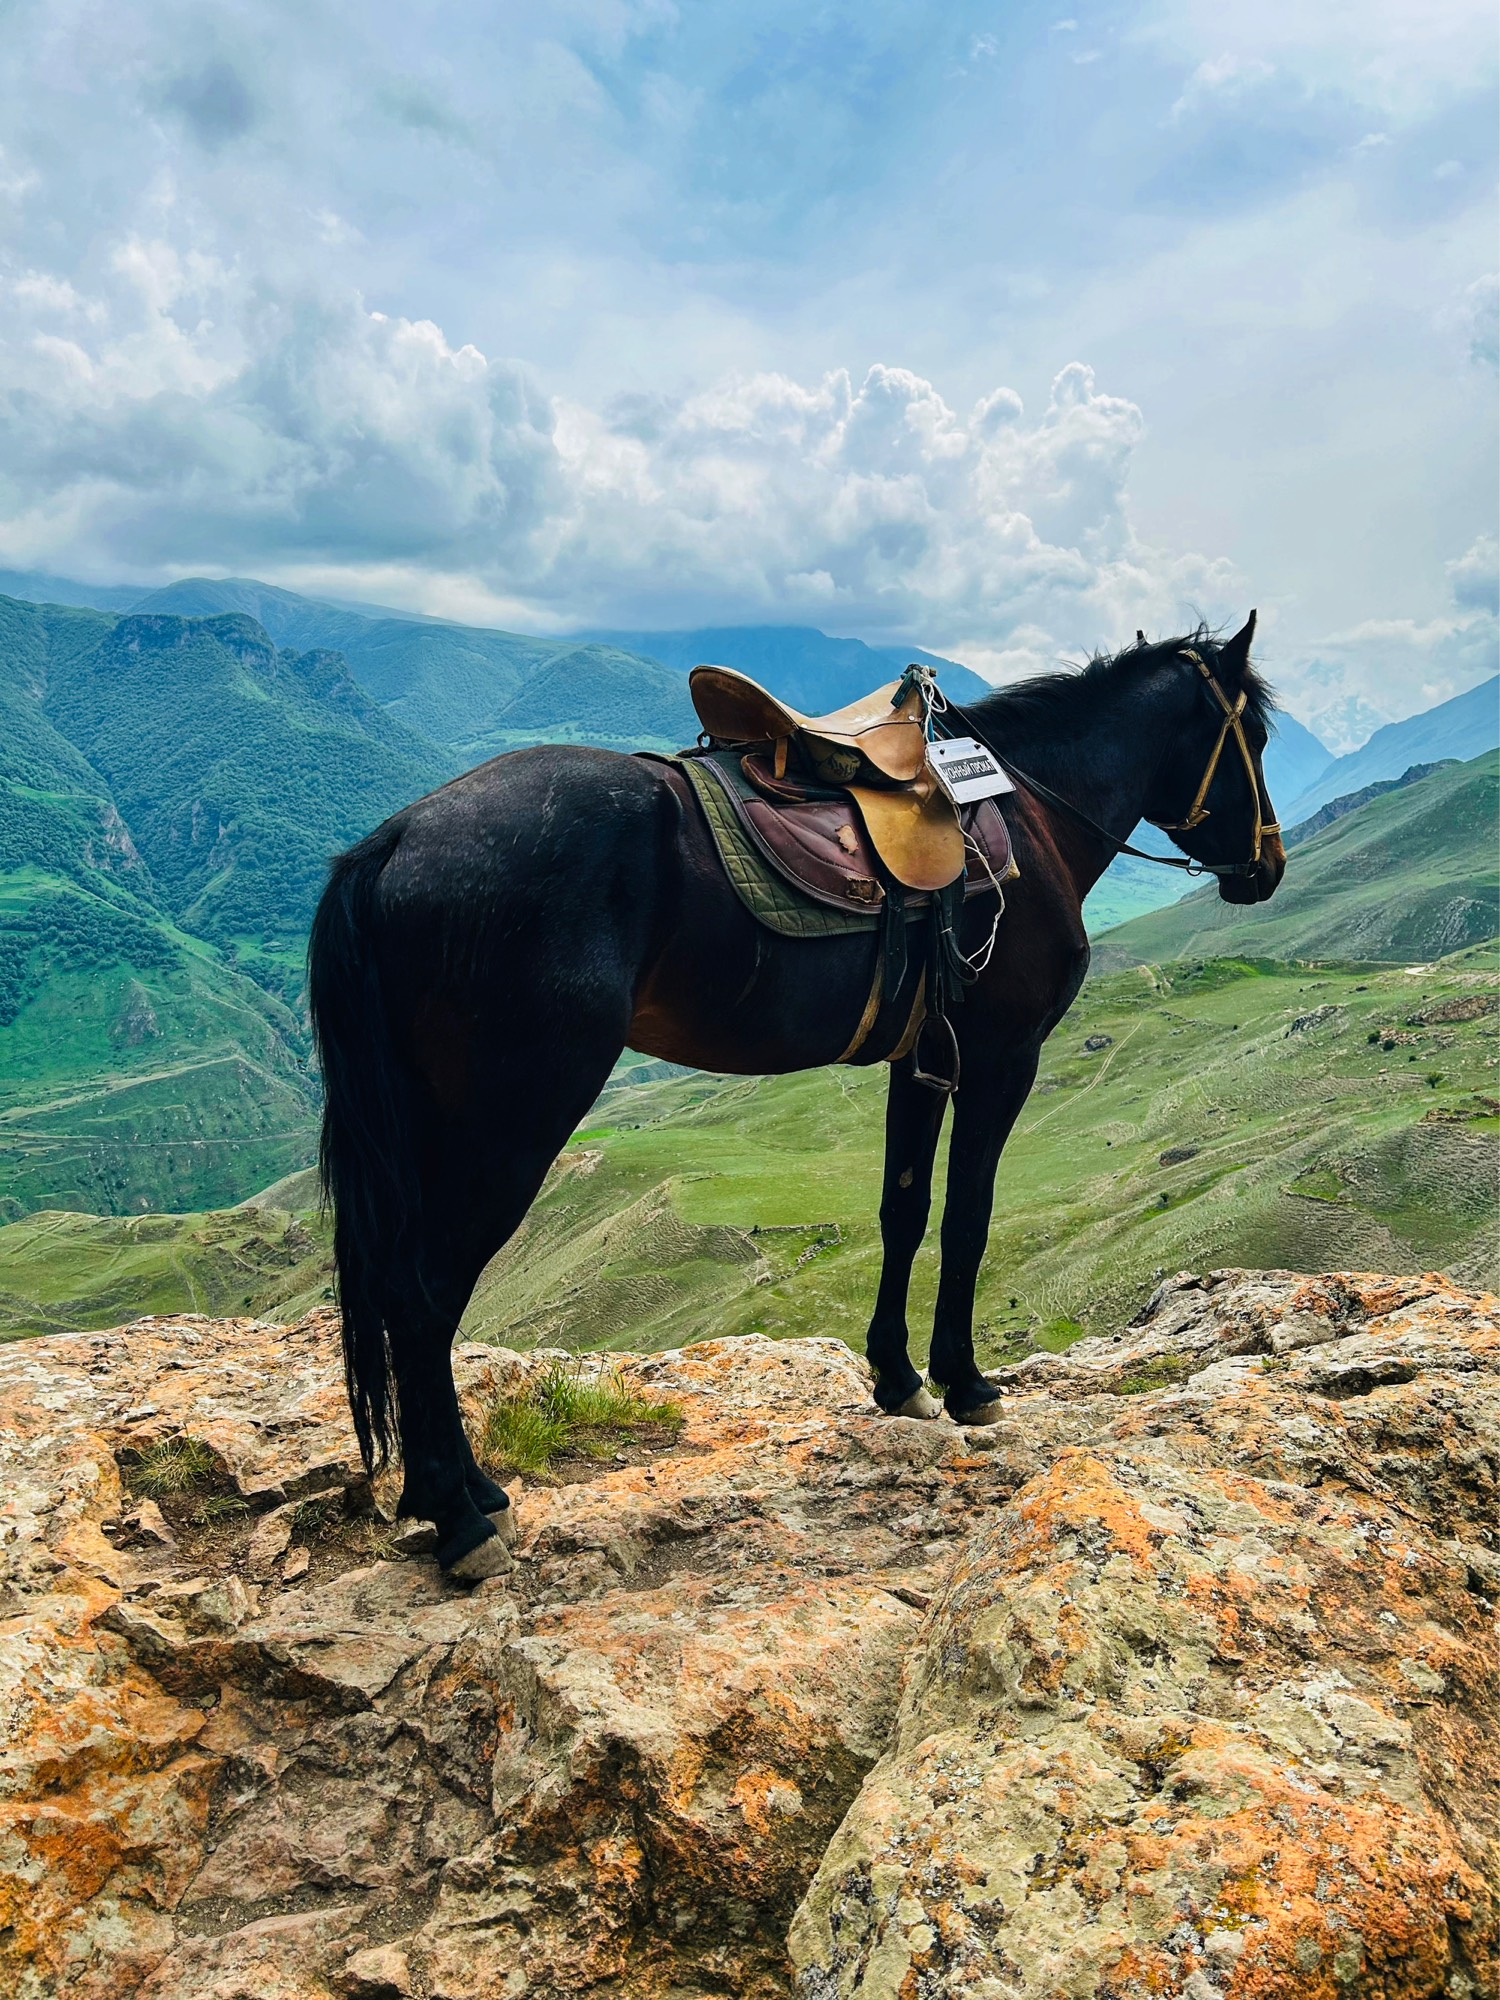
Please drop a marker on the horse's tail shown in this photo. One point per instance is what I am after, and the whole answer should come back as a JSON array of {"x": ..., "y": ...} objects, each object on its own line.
[{"x": 367, "y": 1152}]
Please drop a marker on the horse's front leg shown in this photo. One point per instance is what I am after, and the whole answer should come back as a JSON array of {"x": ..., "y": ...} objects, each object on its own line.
[
  {"x": 985, "y": 1108},
  {"x": 913, "y": 1119}
]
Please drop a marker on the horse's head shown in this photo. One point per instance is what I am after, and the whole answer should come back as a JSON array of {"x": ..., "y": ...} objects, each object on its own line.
[{"x": 1210, "y": 791}]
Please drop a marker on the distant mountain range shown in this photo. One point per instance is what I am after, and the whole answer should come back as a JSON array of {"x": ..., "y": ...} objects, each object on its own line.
[
  {"x": 1405, "y": 878},
  {"x": 1461, "y": 728}
]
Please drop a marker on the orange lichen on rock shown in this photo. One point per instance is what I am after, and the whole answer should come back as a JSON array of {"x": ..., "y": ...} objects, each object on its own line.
[
  {"x": 1210, "y": 1708},
  {"x": 1185, "y": 1692}
]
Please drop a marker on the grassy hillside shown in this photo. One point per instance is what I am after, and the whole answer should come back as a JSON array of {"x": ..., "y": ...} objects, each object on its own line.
[
  {"x": 136, "y": 1066},
  {"x": 1410, "y": 876},
  {"x": 238, "y": 769},
  {"x": 1236, "y": 1114},
  {"x": 1228, "y": 1112},
  {"x": 63, "y": 1272}
]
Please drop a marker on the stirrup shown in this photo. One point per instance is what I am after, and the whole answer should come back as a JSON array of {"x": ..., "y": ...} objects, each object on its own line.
[{"x": 935, "y": 1079}]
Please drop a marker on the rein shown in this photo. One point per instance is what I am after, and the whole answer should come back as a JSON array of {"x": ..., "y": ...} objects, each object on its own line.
[{"x": 1233, "y": 725}]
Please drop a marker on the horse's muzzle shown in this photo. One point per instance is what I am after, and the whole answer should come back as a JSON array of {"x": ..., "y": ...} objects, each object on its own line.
[{"x": 1263, "y": 884}]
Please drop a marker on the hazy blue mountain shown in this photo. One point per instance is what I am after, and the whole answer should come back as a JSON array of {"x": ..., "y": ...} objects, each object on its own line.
[
  {"x": 1294, "y": 758},
  {"x": 39, "y": 587},
  {"x": 1461, "y": 728},
  {"x": 803, "y": 666}
]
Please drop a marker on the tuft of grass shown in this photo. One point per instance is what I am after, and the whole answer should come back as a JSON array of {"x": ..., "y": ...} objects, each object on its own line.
[
  {"x": 174, "y": 1466},
  {"x": 1165, "y": 1371},
  {"x": 566, "y": 1410},
  {"x": 318, "y": 1516},
  {"x": 218, "y": 1507}
]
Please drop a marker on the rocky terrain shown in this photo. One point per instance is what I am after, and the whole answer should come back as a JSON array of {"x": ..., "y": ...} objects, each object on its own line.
[{"x": 1182, "y": 1679}]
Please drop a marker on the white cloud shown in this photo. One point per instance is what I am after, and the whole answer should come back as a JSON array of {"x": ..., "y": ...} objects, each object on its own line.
[
  {"x": 1220, "y": 76},
  {"x": 192, "y": 418},
  {"x": 1385, "y": 52},
  {"x": 1474, "y": 578}
]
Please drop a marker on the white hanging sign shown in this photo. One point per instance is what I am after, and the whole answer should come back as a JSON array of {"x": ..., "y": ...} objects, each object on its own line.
[{"x": 966, "y": 770}]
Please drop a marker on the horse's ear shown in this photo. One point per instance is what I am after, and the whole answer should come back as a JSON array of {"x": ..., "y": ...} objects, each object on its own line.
[
  {"x": 1140, "y": 637},
  {"x": 1234, "y": 654}
]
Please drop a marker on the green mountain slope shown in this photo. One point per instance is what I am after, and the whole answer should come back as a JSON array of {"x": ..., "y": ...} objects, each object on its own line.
[
  {"x": 1227, "y": 1114},
  {"x": 238, "y": 769},
  {"x": 1408, "y": 877},
  {"x": 1338, "y": 808},
  {"x": 471, "y": 690},
  {"x": 1197, "y": 1116},
  {"x": 63, "y": 1272},
  {"x": 136, "y": 1067}
]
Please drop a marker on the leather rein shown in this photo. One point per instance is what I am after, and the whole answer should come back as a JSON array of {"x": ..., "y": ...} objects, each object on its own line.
[{"x": 1233, "y": 725}]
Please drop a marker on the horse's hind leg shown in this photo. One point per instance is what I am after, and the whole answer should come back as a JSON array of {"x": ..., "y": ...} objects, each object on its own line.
[{"x": 489, "y": 1165}]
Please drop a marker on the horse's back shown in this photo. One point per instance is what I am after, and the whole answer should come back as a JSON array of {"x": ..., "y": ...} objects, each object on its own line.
[{"x": 567, "y": 847}]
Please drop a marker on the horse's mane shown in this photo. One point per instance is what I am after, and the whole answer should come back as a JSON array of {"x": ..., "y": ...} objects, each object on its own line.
[{"x": 1054, "y": 704}]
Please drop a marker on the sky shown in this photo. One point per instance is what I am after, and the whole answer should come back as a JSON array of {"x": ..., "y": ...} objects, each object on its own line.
[{"x": 992, "y": 328}]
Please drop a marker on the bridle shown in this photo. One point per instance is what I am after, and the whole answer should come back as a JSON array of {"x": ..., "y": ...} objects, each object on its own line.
[{"x": 1233, "y": 725}]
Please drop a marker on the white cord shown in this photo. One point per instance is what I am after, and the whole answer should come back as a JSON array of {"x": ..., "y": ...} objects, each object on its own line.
[{"x": 982, "y": 957}]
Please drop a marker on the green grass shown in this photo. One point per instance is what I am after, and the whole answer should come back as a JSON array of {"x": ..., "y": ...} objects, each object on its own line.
[
  {"x": 1163, "y": 1371},
  {"x": 687, "y": 1209},
  {"x": 688, "y": 1214},
  {"x": 61, "y": 1272},
  {"x": 173, "y": 1467},
  {"x": 569, "y": 1410}
]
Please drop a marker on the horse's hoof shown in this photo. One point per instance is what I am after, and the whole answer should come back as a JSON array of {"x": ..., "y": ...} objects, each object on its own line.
[
  {"x": 507, "y": 1527},
  {"x": 920, "y": 1404},
  {"x": 987, "y": 1413},
  {"x": 487, "y": 1558}
]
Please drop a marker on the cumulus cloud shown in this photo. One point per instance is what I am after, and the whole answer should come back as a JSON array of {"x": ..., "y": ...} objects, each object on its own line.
[
  {"x": 189, "y": 417},
  {"x": 185, "y": 417}
]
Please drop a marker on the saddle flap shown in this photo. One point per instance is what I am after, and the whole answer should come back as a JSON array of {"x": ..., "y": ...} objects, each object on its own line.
[
  {"x": 915, "y": 831},
  {"x": 892, "y": 741}
]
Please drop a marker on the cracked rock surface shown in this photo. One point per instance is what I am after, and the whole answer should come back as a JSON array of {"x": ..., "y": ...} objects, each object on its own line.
[{"x": 1181, "y": 1679}]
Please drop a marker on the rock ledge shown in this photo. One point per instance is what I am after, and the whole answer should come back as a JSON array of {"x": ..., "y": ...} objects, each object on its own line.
[{"x": 1182, "y": 1679}]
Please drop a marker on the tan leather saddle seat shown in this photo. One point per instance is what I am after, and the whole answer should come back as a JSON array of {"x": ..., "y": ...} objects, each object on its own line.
[{"x": 875, "y": 750}]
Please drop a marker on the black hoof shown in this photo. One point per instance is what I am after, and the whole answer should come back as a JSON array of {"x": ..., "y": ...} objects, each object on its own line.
[
  {"x": 962, "y": 1403},
  {"x": 486, "y": 1495},
  {"x": 463, "y": 1538},
  {"x": 892, "y": 1391}
]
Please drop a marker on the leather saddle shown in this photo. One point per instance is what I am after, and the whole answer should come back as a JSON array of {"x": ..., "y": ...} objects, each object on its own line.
[
  {"x": 871, "y": 755},
  {"x": 815, "y": 837}
]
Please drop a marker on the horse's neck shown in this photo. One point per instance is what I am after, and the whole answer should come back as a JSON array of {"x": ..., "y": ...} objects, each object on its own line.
[{"x": 1103, "y": 760}]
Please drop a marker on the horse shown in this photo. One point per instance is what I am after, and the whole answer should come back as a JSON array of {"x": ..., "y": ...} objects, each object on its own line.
[{"x": 478, "y": 963}]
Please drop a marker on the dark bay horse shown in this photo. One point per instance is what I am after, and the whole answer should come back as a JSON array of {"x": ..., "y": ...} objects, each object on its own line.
[{"x": 478, "y": 963}]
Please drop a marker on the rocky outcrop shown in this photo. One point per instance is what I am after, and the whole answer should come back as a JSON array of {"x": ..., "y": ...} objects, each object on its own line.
[{"x": 1181, "y": 1679}]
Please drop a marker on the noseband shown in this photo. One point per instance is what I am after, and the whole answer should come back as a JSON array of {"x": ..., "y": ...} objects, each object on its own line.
[{"x": 1233, "y": 725}]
